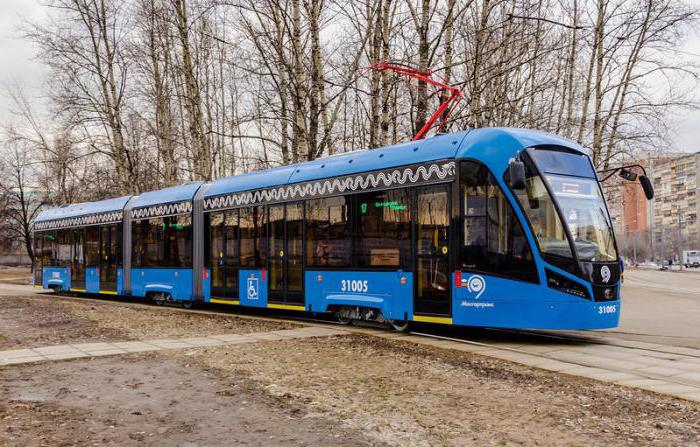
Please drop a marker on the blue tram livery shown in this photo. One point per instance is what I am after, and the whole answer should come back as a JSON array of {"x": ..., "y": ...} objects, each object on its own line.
[{"x": 488, "y": 227}]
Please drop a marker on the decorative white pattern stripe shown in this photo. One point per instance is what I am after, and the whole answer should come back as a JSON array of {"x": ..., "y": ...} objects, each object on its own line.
[
  {"x": 438, "y": 171},
  {"x": 168, "y": 209},
  {"x": 80, "y": 221}
]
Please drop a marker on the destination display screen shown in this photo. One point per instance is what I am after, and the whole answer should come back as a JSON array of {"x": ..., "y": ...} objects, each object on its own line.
[
  {"x": 563, "y": 163},
  {"x": 572, "y": 186}
]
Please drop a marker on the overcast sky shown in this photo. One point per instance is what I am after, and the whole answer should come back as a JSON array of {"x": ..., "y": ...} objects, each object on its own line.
[{"x": 18, "y": 64}]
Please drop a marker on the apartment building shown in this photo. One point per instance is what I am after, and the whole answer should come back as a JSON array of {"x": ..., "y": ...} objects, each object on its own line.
[
  {"x": 661, "y": 228},
  {"x": 676, "y": 206}
]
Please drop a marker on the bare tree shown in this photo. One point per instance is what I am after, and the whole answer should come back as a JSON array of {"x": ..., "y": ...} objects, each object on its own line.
[
  {"x": 149, "y": 93},
  {"x": 20, "y": 197}
]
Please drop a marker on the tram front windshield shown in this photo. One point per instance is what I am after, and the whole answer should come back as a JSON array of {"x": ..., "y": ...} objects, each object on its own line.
[{"x": 575, "y": 190}]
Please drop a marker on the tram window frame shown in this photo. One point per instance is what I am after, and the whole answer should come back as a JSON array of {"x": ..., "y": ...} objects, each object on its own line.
[
  {"x": 178, "y": 242},
  {"x": 48, "y": 250},
  {"x": 118, "y": 242},
  {"x": 342, "y": 230},
  {"x": 213, "y": 245},
  {"x": 63, "y": 248},
  {"x": 495, "y": 212},
  {"x": 565, "y": 262},
  {"x": 223, "y": 253},
  {"x": 162, "y": 242},
  {"x": 252, "y": 255},
  {"x": 37, "y": 243},
  {"x": 92, "y": 246},
  {"x": 232, "y": 221},
  {"x": 400, "y": 229},
  {"x": 110, "y": 248}
]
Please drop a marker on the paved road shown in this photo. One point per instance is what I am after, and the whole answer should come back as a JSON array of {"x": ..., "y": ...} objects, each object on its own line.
[{"x": 660, "y": 307}]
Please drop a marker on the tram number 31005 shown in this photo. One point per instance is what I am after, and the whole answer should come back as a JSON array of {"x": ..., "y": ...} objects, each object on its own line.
[
  {"x": 354, "y": 285},
  {"x": 609, "y": 309}
]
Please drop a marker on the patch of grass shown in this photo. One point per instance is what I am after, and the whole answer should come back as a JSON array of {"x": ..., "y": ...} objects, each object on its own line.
[{"x": 2, "y": 336}]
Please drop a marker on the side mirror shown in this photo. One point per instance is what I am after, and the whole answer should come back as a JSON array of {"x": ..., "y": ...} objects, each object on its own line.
[
  {"x": 647, "y": 186},
  {"x": 516, "y": 175}
]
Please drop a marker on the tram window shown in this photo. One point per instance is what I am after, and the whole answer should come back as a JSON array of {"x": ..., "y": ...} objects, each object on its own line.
[
  {"x": 328, "y": 233},
  {"x": 63, "y": 248},
  {"x": 493, "y": 240},
  {"x": 276, "y": 233},
  {"x": 231, "y": 237},
  {"x": 115, "y": 243},
  {"x": 110, "y": 245},
  {"x": 295, "y": 223},
  {"x": 216, "y": 241},
  {"x": 222, "y": 254},
  {"x": 252, "y": 231},
  {"x": 47, "y": 250},
  {"x": 178, "y": 242},
  {"x": 383, "y": 229},
  {"x": 78, "y": 248},
  {"x": 163, "y": 242},
  {"x": 92, "y": 246},
  {"x": 147, "y": 246},
  {"x": 36, "y": 248},
  {"x": 48, "y": 244}
]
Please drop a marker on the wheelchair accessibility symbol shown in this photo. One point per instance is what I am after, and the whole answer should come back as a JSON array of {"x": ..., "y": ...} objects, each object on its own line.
[{"x": 253, "y": 288}]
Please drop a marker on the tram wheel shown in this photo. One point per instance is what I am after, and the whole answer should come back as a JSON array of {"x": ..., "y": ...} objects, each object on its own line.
[
  {"x": 159, "y": 299},
  {"x": 189, "y": 304},
  {"x": 345, "y": 321},
  {"x": 399, "y": 325}
]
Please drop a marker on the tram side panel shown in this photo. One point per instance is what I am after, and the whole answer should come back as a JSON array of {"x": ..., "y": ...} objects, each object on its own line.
[
  {"x": 485, "y": 300},
  {"x": 175, "y": 282},
  {"x": 389, "y": 292},
  {"x": 56, "y": 278},
  {"x": 92, "y": 280},
  {"x": 161, "y": 261},
  {"x": 253, "y": 287}
]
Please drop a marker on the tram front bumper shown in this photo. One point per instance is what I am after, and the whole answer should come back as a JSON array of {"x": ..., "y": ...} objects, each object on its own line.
[{"x": 570, "y": 315}]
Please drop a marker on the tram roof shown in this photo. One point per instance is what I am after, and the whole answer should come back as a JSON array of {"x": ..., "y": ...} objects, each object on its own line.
[
  {"x": 510, "y": 140},
  {"x": 168, "y": 195},
  {"x": 495, "y": 146},
  {"x": 83, "y": 209},
  {"x": 433, "y": 148}
]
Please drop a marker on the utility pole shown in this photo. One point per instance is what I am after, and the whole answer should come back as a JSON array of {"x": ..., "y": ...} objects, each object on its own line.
[
  {"x": 650, "y": 213},
  {"x": 680, "y": 239}
]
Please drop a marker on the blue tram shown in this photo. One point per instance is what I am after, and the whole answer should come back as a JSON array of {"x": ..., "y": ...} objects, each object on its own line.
[{"x": 488, "y": 227}]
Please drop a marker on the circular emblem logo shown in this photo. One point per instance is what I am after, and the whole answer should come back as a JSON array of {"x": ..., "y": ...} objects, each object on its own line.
[
  {"x": 605, "y": 273},
  {"x": 476, "y": 284}
]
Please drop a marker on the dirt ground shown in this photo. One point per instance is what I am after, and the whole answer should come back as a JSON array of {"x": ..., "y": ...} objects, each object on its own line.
[
  {"x": 15, "y": 275},
  {"x": 343, "y": 390},
  {"x": 408, "y": 395},
  {"x": 150, "y": 400},
  {"x": 27, "y": 322},
  {"x": 43, "y": 320}
]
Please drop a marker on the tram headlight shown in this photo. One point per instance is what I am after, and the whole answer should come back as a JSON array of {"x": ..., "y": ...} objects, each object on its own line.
[{"x": 561, "y": 283}]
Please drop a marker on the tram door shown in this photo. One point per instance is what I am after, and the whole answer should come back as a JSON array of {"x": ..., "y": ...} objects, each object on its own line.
[
  {"x": 77, "y": 271},
  {"x": 225, "y": 254},
  {"x": 286, "y": 253},
  {"x": 432, "y": 278},
  {"x": 110, "y": 238}
]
